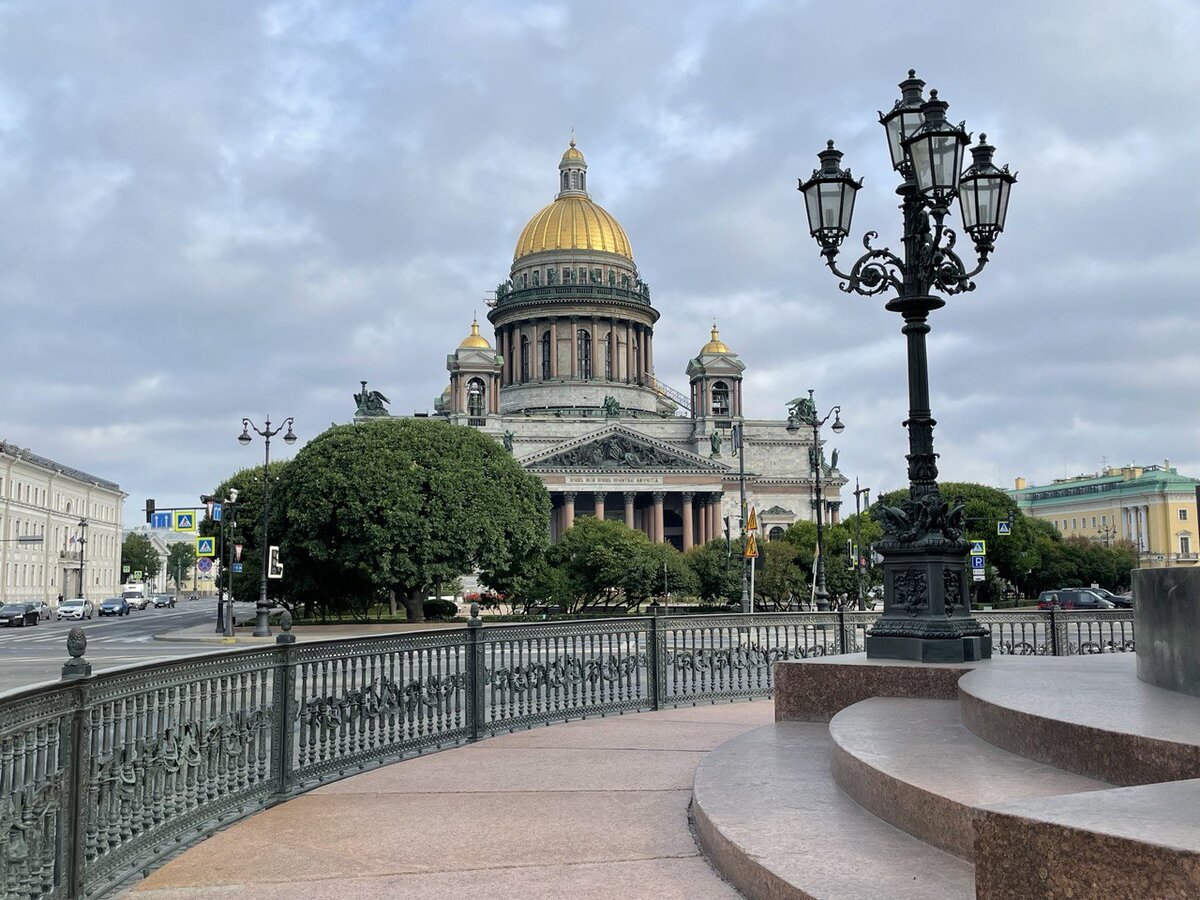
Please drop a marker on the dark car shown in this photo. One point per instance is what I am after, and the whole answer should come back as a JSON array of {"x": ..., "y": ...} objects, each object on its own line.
[
  {"x": 114, "y": 606},
  {"x": 1073, "y": 598},
  {"x": 1122, "y": 601},
  {"x": 19, "y": 614},
  {"x": 164, "y": 600}
]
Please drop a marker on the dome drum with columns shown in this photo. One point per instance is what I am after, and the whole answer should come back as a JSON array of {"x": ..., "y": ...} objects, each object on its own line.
[{"x": 569, "y": 385}]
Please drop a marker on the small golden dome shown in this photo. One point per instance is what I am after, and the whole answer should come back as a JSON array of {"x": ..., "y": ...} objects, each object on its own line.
[
  {"x": 716, "y": 345},
  {"x": 475, "y": 340},
  {"x": 573, "y": 223},
  {"x": 572, "y": 154}
]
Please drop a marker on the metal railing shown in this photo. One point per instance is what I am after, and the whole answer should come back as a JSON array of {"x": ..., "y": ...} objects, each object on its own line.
[{"x": 104, "y": 776}]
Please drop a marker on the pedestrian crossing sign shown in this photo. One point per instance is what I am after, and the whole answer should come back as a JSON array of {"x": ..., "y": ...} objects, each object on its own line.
[
  {"x": 978, "y": 548},
  {"x": 206, "y": 546},
  {"x": 1003, "y": 527},
  {"x": 185, "y": 520}
]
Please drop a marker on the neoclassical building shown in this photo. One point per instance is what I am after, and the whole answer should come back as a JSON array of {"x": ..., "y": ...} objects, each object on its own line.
[{"x": 569, "y": 385}]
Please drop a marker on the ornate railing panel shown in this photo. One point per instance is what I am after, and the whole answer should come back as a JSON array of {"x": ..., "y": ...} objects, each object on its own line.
[
  {"x": 101, "y": 777},
  {"x": 543, "y": 673},
  {"x": 732, "y": 656},
  {"x": 359, "y": 702}
]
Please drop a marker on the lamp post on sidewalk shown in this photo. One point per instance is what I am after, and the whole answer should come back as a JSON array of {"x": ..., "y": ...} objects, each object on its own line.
[
  {"x": 927, "y": 610},
  {"x": 262, "y": 627},
  {"x": 803, "y": 411},
  {"x": 83, "y": 527}
]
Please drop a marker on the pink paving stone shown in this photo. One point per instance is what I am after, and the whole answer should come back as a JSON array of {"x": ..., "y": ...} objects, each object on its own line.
[{"x": 596, "y": 808}]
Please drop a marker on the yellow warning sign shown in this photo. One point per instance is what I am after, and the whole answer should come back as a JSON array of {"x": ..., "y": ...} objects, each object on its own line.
[
  {"x": 752, "y": 522},
  {"x": 751, "y": 551}
]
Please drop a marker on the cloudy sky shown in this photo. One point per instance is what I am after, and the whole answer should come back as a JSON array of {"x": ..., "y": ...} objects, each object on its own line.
[{"x": 226, "y": 208}]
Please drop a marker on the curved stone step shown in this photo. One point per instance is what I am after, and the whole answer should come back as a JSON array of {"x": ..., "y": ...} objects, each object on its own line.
[
  {"x": 914, "y": 764},
  {"x": 772, "y": 821},
  {"x": 1086, "y": 714}
]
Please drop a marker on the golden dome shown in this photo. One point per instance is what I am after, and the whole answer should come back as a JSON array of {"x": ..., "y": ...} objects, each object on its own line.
[
  {"x": 573, "y": 223},
  {"x": 571, "y": 153},
  {"x": 475, "y": 340},
  {"x": 716, "y": 345}
]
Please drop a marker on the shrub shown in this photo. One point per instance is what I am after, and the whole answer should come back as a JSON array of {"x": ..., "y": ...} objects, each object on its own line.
[{"x": 440, "y": 609}]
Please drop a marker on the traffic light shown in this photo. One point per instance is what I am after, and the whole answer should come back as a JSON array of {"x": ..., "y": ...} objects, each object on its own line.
[{"x": 149, "y": 511}]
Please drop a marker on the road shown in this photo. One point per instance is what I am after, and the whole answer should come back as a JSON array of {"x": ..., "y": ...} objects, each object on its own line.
[{"x": 36, "y": 653}]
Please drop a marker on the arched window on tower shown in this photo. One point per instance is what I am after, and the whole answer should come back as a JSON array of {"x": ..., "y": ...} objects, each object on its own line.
[
  {"x": 583, "y": 181},
  {"x": 720, "y": 398},
  {"x": 546, "y": 356},
  {"x": 524, "y": 358},
  {"x": 584, "y": 339},
  {"x": 564, "y": 176},
  {"x": 476, "y": 395},
  {"x": 776, "y": 533}
]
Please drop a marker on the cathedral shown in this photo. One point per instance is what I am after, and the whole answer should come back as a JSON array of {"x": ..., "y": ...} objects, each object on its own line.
[{"x": 570, "y": 387}]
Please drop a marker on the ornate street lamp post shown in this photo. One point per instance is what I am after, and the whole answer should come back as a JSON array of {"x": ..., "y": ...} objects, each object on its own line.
[
  {"x": 83, "y": 527},
  {"x": 803, "y": 411},
  {"x": 262, "y": 627},
  {"x": 927, "y": 614}
]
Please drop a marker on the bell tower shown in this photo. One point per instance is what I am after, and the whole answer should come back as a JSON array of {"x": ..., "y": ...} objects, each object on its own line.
[{"x": 715, "y": 374}]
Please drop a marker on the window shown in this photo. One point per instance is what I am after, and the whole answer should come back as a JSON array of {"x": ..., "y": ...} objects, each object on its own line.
[
  {"x": 546, "y": 356},
  {"x": 475, "y": 398},
  {"x": 1104, "y": 521},
  {"x": 1073, "y": 525},
  {"x": 1093, "y": 521},
  {"x": 564, "y": 181},
  {"x": 720, "y": 398},
  {"x": 584, "y": 339},
  {"x": 776, "y": 533},
  {"x": 607, "y": 342},
  {"x": 1183, "y": 515},
  {"x": 1185, "y": 545},
  {"x": 524, "y": 358}
]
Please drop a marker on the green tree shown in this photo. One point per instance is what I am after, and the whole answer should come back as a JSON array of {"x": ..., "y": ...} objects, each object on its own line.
[
  {"x": 139, "y": 554},
  {"x": 181, "y": 556},
  {"x": 243, "y": 525},
  {"x": 394, "y": 506},
  {"x": 601, "y": 562},
  {"x": 718, "y": 571},
  {"x": 780, "y": 581}
]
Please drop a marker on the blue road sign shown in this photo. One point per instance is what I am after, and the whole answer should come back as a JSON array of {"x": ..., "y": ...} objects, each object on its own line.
[
  {"x": 978, "y": 548},
  {"x": 204, "y": 564},
  {"x": 160, "y": 520},
  {"x": 216, "y": 512},
  {"x": 978, "y": 563},
  {"x": 1002, "y": 527},
  {"x": 237, "y": 568},
  {"x": 206, "y": 546},
  {"x": 185, "y": 520}
]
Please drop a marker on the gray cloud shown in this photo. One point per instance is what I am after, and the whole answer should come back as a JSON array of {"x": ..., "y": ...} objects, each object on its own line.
[{"x": 224, "y": 209}]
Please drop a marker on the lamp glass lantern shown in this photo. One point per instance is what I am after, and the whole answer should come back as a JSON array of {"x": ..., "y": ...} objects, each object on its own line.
[
  {"x": 936, "y": 152},
  {"x": 983, "y": 194},
  {"x": 904, "y": 118},
  {"x": 829, "y": 198}
]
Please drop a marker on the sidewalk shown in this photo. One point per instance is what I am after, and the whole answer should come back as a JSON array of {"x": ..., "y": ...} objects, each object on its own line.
[
  {"x": 589, "y": 809},
  {"x": 206, "y": 634}
]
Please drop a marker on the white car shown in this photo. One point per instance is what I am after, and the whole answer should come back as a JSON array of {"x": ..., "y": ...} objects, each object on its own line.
[
  {"x": 137, "y": 601},
  {"x": 75, "y": 609}
]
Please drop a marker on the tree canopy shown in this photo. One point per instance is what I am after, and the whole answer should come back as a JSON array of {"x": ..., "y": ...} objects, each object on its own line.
[
  {"x": 181, "y": 557},
  {"x": 243, "y": 525},
  {"x": 139, "y": 554},
  {"x": 392, "y": 507}
]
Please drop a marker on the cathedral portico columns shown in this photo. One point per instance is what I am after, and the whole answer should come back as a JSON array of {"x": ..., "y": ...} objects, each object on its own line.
[
  {"x": 656, "y": 523},
  {"x": 599, "y": 499},
  {"x": 630, "y": 497},
  {"x": 687, "y": 521},
  {"x": 568, "y": 509}
]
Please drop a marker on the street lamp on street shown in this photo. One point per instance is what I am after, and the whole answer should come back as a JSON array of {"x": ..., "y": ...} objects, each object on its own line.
[
  {"x": 803, "y": 411},
  {"x": 83, "y": 527},
  {"x": 927, "y": 613},
  {"x": 862, "y": 497},
  {"x": 262, "y": 627}
]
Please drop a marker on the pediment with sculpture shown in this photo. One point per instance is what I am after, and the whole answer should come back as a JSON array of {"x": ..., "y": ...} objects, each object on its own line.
[{"x": 620, "y": 449}]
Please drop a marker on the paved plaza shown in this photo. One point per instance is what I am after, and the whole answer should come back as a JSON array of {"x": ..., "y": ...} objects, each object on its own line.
[{"x": 591, "y": 809}]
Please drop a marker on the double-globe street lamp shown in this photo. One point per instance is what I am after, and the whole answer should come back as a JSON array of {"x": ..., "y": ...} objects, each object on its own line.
[
  {"x": 804, "y": 412},
  {"x": 262, "y": 627},
  {"x": 927, "y": 614}
]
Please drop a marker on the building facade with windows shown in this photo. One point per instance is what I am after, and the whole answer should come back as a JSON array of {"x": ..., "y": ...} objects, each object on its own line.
[
  {"x": 570, "y": 387},
  {"x": 76, "y": 515},
  {"x": 1153, "y": 507}
]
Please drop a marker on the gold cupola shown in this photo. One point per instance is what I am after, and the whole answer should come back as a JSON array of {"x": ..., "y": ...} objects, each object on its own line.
[
  {"x": 475, "y": 340},
  {"x": 573, "y": 221},
  {"x": 716, "y": 345}
]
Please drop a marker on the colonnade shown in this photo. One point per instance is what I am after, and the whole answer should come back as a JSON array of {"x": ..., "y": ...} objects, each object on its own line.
[
  {"x": 699, "y": 512},
  {"x": 631, "y": 357}
]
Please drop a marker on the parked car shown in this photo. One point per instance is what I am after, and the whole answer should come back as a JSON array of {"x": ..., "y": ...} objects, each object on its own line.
[
  {"x": 75, "y": 609},
  {"x": 1123, "y": 600},
  {"x": 18, "y": 614},
  {"x": 43, "y": 609},
  {"x": 114, "y": 606},
  {"x": 164, "y": 601},
  {"x": 1073, "y": 598}
]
